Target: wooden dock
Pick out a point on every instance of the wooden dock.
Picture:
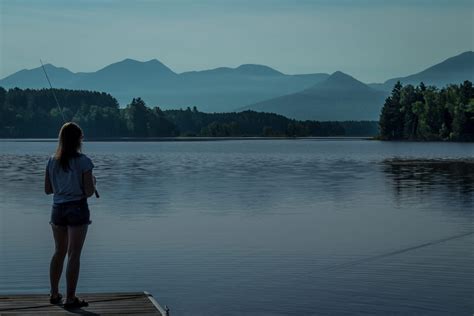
(126, 303)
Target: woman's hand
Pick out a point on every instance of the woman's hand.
(48, 188)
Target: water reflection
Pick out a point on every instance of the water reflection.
(161, 183)
(207, 226)
(444, 179)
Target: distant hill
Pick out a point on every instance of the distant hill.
(215, 90)
(35, 78)
(125, 74)
(339, 97)
(452, 70)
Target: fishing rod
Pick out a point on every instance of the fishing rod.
(60, 109)
(399, 251)
(52, 90)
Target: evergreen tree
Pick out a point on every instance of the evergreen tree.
(429, 113)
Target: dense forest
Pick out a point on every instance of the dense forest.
(428, 113)
(33, 113)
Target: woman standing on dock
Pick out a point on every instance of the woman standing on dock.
(69, 176)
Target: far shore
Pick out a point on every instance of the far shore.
(187, 138)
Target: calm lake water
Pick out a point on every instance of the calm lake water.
(264, 227)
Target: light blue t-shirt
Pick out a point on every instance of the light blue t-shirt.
(68, 186)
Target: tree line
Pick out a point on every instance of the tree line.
(33, 113)
(429, 113)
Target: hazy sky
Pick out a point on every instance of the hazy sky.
(372, 40)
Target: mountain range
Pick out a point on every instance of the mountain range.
(215, 90)
(318, 96)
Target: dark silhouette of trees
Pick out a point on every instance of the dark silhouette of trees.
(251, 123)
(142, 121)
(34, 113)
(427, 113)
(391, 120)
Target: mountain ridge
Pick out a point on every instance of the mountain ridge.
(454, 70)
(130, 61)
(445, 65)
(213, 90)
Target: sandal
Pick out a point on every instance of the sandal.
(76, 303)
(55, 300)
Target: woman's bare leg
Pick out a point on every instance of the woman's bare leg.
(57, 261)
(76, 235)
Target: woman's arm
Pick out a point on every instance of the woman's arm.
(89, 183)
(48, 188)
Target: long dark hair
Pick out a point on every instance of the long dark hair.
(69, 144)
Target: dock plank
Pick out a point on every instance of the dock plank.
(122, 303)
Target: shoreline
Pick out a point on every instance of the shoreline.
(206, 139)
(188, 138)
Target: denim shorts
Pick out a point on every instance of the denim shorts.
(73, 213)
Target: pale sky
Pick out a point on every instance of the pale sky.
(373, 40)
